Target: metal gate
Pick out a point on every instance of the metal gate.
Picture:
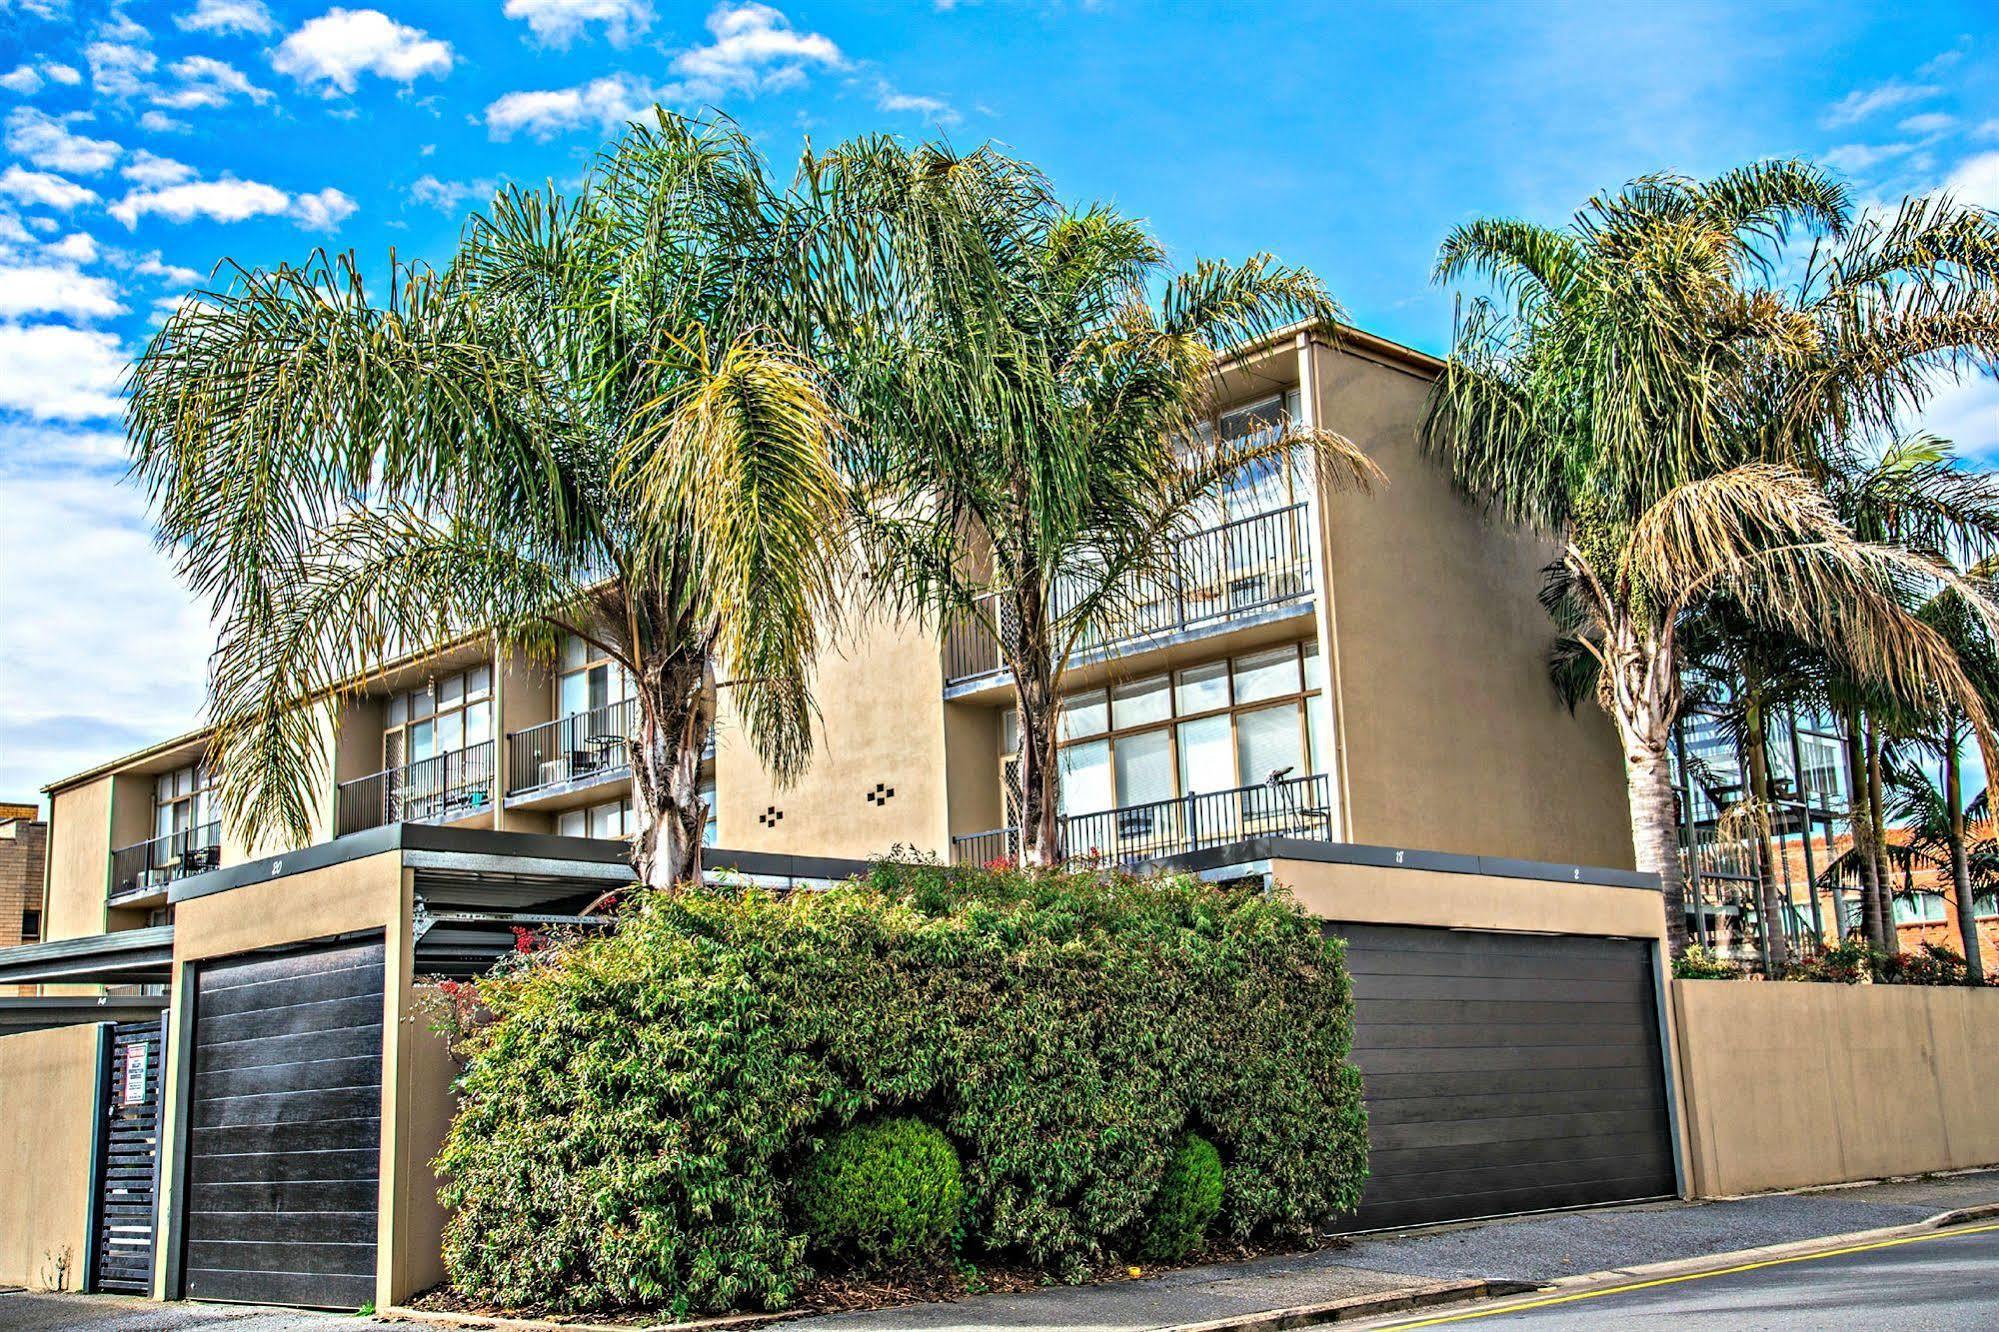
(1505, 1073)
(128, 1163)
(284, 1142)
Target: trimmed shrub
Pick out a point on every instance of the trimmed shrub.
(632, 1113)
(887, 1192)
(1189, 1199)
(1698, 962)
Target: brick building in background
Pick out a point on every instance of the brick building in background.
(24, 848)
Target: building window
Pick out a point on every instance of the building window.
(613, 818)
(31, 925)
(180, 808)
(1985, 905)
(450, 714)
(1919, 908)
(1212, 727)
(587, 680)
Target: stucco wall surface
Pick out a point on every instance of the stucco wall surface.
(48, 1105)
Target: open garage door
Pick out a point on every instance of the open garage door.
(285, 1128)
(1505, 1073)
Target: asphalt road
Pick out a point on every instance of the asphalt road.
(1946, 1280)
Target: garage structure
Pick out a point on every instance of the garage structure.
(285, 1127)
(1505, 1072)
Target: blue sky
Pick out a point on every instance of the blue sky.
(146, 142)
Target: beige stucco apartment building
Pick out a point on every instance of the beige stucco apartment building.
(1345, 695)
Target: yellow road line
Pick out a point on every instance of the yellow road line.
(1690, 1276)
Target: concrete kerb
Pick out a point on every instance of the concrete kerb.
(725, 1323)
(1425, 1295)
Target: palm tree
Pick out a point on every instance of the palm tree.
(600, 417)
(1030, 384)
(1617, 395)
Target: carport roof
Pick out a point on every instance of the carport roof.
(122, 957)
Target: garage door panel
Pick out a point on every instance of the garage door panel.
(308, 1018)
(257, 1140)
(247, 1167)
(309, 987)
(1498, 1058)
(1414, 1185)
(1505, 1104)
(1385, 1087)
(1505, 1073)
(1487, 988)
(1643, 1149)
(352, 1071)
(318, 1290)
(306, 1105)
(1435, 1035)
(284, 1150)
(364, 1041)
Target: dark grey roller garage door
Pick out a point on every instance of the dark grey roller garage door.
(285, 1108)
(1505, 1073)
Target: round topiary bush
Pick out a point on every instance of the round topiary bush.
(1189, 1199)
(884, 1192)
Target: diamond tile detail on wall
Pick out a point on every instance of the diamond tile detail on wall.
(881, 795)
(769, 818)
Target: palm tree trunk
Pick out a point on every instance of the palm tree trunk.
(673, 728)
(1770, 923)
(1036, 699)
(1644, 694)
(1861, 818)
(1960, 863)
(1884, 873)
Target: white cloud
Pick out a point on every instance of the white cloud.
(1988, 129)
(12, 232)
(324, 211)
(55, 373)
(119, 69)
(51, 10)
(1861, 103)
(605, 102)
(79, 247)
(1927, 122)
(88, 577)
(151, 169)
(755, 49)
(153, 266)
(54, 289)
(1860, 156)
(559, 22)
(159, 122)
(934, 109)
(217, 200)
(39, 187)
(22, 79)
(48, 142)
(1965, 411)
(60, 73)
(1976, 181)
(208, 82)
(227, 16)
(446, 195)
(342, 44)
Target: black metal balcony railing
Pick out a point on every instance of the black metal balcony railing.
(145, 866)
(568, 749)
(433, 790)
(1242, 566)
(1293, 807)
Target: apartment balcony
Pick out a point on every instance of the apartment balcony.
(1240, 572)
(1298, 807)
(442, 789)
(576, 752)
(145, 868)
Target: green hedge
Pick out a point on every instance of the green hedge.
(1189, 1199)
(885, 1192)
(637, 1111)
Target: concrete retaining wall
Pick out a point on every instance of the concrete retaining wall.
(48, 1108)
(1792, 1084)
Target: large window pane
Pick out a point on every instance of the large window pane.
(1267, 741)
(450, 732)
(1086, 777)
(1141, 703)
(1207, 763)
(574, 652)
(478, 724)
(1084, 715)
(422, 741)
(1262, 675)
(572, 823)
(1202, 688)
(1144, 767)
(573, 693)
